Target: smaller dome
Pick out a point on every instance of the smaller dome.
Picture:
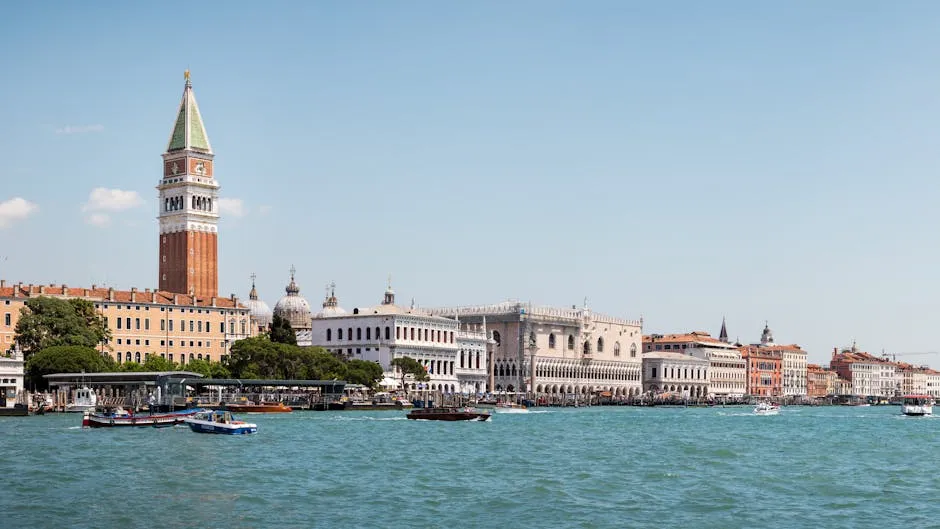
(293, 307)
(257, 308)
(331, 306)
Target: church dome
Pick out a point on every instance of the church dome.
(331, 306)
(293, 307)
(257, 308)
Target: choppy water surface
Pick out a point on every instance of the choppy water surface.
(588, 467)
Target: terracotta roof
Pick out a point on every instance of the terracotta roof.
(116, 296)
(692, 337)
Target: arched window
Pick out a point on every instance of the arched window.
(128, 356)
(571, 342)
(496, 338)
(388, 333)
(478, 359)
(587, 347)
(200, 356)
(378, 335)
(600, 344)
(339, 334)
(329, 335)
(358, 333)
(462, 353)
(551, 341)
(368, 333)
(136, 357)
(633, 350)
(616, 348)
(191, 358)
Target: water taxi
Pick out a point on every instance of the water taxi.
(85, 400)
(511, 407)
(917, 405)
(448, 414)
(260, 407)
(121, 417)
(219, 421)
(766, 408)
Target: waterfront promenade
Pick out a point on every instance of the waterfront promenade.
(601, 467)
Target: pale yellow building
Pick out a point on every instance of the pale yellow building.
(177, 327)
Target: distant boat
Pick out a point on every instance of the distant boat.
(121, 417)
(220, 422)
(448, 414)
(917, 405)
(766, 408)
(85, 400)
(261, 407)
(511, 407)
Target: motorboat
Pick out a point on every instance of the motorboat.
(121, 417)
(766, 408)
(259, 407)
(448, 414)
(220, 422)
(917, 405)
(511, 407)
(85, 400)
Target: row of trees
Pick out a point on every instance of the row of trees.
(60, 336)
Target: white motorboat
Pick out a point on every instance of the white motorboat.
(220, 422)
(511, 407)
(85, 400)
(766, 408)
(917, 405)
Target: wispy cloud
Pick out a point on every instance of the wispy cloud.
(233, 207)
(79, 129)
(102, 199)
(15, 209)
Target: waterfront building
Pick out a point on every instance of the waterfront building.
(295, 309)
(11, 376)
(675, 373)
(727, 370)
(189, 206)
(933, 383)
(820, 381)
(763, 370)
(388, 331)
(555, 351)
(871, 376)
(177, 327)
(261, 315)
(913, 379)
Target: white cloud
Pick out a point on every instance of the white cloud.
(231, 206)
(103, 199)
(98, 219)
(15, 209)
(79, 129)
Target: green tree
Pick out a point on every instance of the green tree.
(253, 358)
(208, 369)
(158, 363)
(47, 322)
(410, 366)
(132, 367)
(282, 332)
(363, 372)
(65, 359)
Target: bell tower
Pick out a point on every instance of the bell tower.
(189, 209)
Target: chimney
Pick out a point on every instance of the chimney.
(42, 289)
(110, 293)
(134, 294)
(154, 300)
(176, 300)
(146, 290)
(3, 283)
(84, 292)
(94, 286)
(65, 289)
(16, 290)
(213, 301)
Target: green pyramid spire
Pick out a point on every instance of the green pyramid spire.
(188, 131)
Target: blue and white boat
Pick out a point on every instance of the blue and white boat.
(219, 421)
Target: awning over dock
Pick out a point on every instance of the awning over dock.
(127, 378)
(325, 386)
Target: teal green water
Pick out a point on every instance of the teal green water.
(588, 467)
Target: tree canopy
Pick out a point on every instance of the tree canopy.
(47, 322)
(410, 366)
(282, 332)
(66, 359)
(261, 357)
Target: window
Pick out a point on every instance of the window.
(243, 326)
(377, 333)
(137, 341)
(600, 345)
(497, 340)
(358, 333)
(616, 348)
(171, 324)
(329, 335)
(119, 326)
(551, 341)
(171, 343)
(119, 341)
(368, 333)
(128, 357)
(7, 319)
(162, 325)
(191, 326)
(571, 342)
(137, 323)
(653, 374)
(128, 322)
(339, 334)
(398, 333)
(136, 357)
(200, 326)
(222, 327)
(633, 350)
(388, 333)
(207, 326)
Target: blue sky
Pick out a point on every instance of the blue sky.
(679, 161)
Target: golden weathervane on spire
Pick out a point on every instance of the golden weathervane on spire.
(186, 74)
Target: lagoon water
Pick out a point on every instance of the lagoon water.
(717, 467)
